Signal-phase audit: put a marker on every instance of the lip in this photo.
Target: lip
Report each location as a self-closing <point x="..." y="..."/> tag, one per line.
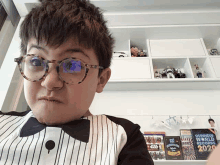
<point x="47" y="101"/>
<point x="50" y="99"/>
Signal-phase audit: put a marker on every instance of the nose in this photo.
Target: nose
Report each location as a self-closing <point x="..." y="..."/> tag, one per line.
<point x="52" y="80"/>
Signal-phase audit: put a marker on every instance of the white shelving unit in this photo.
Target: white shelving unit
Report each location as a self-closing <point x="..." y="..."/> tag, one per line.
<point x="179" y="162"/>
<point x="137" y="73"/>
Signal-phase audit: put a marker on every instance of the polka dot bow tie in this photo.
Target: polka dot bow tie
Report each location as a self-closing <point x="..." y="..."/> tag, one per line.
<point x="78" y="129"/>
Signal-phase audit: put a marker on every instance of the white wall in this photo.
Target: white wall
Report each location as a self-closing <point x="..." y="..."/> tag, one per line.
<point x="154" y="102"/>
<point x="139" y="106"/>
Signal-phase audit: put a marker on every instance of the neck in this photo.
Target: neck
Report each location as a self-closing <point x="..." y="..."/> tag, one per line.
<point x="87" y="114"/>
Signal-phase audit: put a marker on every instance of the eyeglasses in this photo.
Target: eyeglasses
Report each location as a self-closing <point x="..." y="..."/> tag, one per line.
<point x="70" y="70"/>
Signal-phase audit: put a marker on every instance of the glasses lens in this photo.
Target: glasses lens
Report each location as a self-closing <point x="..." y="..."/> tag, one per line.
<point x="72" y="71"/>
<point x="33" y="67"/>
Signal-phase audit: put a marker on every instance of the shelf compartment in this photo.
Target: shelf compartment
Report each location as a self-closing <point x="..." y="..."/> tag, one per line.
<point x="216" y="65"/>
<point x="218" y="55"/>
<point x="212" y="44"/>
<point x="130" y="68"/>
<point x="122" y="45"/>
<point x="177" y="48"/>
<point x="159" y="64"/>
<point x="204" y="64"/>
<point x="138" y="39"/>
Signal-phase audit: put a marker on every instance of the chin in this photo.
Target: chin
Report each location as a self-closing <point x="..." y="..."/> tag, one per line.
<point x="45" y="122"/>
<point x="51" y="123"/>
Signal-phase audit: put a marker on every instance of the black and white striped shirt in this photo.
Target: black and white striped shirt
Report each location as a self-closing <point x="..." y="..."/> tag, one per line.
<point x="110" y="141"/>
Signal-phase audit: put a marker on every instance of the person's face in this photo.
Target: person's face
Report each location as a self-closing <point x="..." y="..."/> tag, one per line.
<point x="212" y="124"/>
<point x="76" y="99"/>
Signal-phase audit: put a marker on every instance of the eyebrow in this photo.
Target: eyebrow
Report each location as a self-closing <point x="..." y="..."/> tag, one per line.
<point x="65" y="51"/>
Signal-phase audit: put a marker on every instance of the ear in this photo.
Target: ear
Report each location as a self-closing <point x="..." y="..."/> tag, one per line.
<point x="103" y="79"/>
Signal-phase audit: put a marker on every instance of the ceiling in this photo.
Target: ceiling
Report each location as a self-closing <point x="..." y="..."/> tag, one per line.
<point x="156" y="5"/>
<point x="128" y="6"/>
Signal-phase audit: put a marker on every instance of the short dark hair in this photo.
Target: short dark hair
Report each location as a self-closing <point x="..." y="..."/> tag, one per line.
<point x="211" y="120"/>
<point x="57" y="21"/>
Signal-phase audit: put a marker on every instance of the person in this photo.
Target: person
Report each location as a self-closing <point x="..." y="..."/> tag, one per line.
<point x="213" y="158"/>
<point x="66" y="52"/>
<point x="211" y="122"/>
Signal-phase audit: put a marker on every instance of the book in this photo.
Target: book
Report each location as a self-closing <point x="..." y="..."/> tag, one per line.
<point x="173" y="148"/>
<point x="155" y="144"/>
<point x="187" y="144"/>
<point x="204" y="141"/>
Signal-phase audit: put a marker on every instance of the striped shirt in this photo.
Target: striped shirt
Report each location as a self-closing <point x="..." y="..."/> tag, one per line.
<point x="111" y="141"/>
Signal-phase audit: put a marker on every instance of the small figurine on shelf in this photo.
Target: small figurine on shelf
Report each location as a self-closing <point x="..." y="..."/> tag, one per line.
<point x="157" y="75"/>
<point x="119" y="54"/>
<point x="169" y="72"/>
<point x="142" y="54"/>
<point x="198" y="72"/>
<point x="179" y="74"/>
<point x="136" y="52"/>
<point x="213" y="52"/>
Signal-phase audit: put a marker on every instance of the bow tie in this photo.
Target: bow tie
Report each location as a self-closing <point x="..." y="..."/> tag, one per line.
<point x="78" y="129"/>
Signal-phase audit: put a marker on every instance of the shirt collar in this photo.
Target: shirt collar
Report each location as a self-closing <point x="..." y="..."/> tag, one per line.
<point x="78" y="129"/>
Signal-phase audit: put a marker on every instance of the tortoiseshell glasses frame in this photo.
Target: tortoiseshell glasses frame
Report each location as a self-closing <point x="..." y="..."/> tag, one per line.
<point x="87" y="67"/>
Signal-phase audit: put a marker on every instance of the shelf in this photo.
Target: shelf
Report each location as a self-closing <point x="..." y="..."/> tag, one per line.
<point x="129" y="68"/>
<point x="177" y="63"/>
<point x="204" y="64"/>
<point x="176" y="47"/>
<point x="180" y="162"/>
<point x="163" y="84"/>
<point x="138" y="73"/>
<point x="181" y="31"/>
